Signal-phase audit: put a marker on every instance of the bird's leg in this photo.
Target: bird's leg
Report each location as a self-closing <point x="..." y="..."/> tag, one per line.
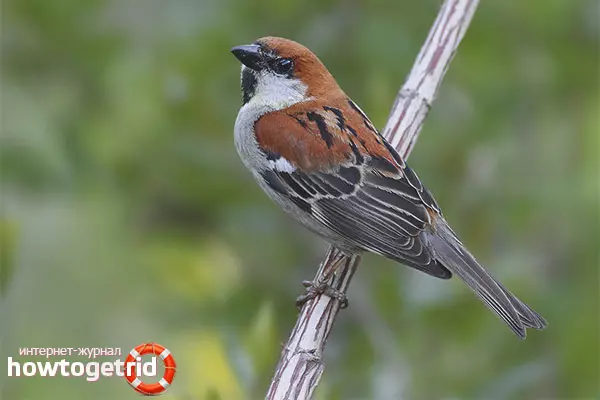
<point x="317" y="288"/>
<point x="314" y="290"/>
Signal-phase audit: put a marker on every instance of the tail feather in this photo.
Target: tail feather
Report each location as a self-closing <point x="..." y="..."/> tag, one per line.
<point x="529" y="317"/>
<point x="454" y="256"/>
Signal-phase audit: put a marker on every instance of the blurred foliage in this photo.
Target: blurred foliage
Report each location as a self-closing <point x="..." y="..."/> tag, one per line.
<point x="127" y="216"/>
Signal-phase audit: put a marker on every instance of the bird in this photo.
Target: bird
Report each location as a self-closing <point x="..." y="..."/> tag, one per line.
<point x="318" y="156"/>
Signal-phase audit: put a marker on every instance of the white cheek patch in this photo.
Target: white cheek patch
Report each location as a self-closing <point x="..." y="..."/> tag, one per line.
<point x="278" y="92"/>
<point x="282" y="165"/>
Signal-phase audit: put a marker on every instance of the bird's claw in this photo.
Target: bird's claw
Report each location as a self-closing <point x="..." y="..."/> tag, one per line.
<point x="314" y="290"/>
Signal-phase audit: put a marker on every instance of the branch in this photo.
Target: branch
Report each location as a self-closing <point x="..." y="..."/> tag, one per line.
<point x="301" y="363"/>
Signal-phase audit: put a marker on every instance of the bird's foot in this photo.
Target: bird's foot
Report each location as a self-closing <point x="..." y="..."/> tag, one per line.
<point x="316" y="289"/>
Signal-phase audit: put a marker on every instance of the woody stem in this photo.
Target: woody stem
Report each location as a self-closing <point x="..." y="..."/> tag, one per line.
<point x="301" y="364"/>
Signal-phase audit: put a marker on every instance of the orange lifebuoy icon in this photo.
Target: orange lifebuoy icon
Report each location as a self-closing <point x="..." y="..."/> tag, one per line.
<point x="150" y="389"/>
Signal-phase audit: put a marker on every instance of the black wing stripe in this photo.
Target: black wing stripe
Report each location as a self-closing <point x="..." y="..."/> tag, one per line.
<point x="413" y="223"/>
<point x="274" y="182"/>
<point x="382" y="164"/>
<point x="295" y="186"/>
<point x="338" y="183"/>
<point x="396" y="185"/>
<point x="350" y="174"/>
<point x="417" y="212"/>
<point x="366" y="203"/>
<point x="394" y="227"/>
<point x="332" y="191"/>
<point x="412" y="178"/>
<point x="306" y="183"/>
<point x="304" y="205"/>
<point x="321" y="186"/>
<point x="428" y="199"/>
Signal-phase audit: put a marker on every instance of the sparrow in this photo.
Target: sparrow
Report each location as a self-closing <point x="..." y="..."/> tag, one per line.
<point x="318" y="156"/>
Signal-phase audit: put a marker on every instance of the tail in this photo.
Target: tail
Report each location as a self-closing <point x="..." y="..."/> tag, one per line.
<point x="450" y="252"/>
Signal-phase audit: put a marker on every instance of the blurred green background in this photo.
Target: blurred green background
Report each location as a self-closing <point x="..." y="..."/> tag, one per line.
<point x="127" y="216"/>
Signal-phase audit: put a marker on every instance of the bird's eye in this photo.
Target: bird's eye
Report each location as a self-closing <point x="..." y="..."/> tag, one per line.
<point x="283" y="66"/>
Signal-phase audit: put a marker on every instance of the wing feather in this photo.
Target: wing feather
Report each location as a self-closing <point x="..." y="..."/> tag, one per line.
<point x="353" y="183"/>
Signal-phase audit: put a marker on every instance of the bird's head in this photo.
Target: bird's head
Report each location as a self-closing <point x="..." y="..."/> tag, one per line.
<point x="280" y="72"/>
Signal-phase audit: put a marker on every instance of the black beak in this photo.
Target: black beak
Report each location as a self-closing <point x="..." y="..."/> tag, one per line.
<point x="249" y="55"/>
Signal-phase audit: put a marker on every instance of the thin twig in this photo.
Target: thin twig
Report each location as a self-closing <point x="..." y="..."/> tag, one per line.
<point x="301" y="364"/>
